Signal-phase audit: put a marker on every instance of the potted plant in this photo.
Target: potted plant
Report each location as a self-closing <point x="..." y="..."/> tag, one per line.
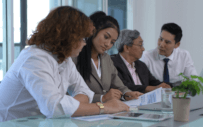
<point x="181" y="105"/>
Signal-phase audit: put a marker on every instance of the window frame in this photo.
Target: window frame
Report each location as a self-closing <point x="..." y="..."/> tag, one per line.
<point x="8" y="35"/>
<point x="8" y="31"/>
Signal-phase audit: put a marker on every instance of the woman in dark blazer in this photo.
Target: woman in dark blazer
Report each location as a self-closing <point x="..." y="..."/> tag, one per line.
<point x="96" y="67"/>
<point x="133" y="72"/>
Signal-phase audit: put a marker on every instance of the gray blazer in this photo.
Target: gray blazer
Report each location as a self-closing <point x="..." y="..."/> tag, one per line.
<point x="109" y="78"/>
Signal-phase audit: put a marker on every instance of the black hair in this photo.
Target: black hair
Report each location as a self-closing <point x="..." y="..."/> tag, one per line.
<point x="173" y="29"/>
<point x="101" y="21"/>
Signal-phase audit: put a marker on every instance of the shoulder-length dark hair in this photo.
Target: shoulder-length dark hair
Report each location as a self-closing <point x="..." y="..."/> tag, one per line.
<point x="60" y="31"/>
<point x="101" y="21"/>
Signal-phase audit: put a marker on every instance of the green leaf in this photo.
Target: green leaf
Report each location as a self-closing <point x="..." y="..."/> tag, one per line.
<point x="190" y="84"/>
<point x="194" y="76"/>
<point x="201" y="87"/>
<point x="194" y="92"/>
<point x="174" y="89"/>
<point x="201" y="79"/>
<point x="181" y="74"/>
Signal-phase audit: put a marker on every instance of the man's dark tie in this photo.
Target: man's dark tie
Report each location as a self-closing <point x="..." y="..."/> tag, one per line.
<point x="166" y="74"/>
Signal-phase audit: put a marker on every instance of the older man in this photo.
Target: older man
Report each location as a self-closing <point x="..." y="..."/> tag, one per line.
<point x="134" y="73"/>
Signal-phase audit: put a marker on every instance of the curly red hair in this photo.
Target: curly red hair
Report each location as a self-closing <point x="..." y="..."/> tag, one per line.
<point x="60" y="31"/>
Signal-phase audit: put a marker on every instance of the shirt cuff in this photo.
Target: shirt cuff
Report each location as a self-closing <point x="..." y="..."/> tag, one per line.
<point x="96" y="98"/>
<point x="101" y="98"/>
<point x="69" y="105"/>
<point x="122" y="98"/>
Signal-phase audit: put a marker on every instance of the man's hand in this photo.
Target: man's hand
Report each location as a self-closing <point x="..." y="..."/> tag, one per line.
<point x="151" y="88"/>
<point x="164" y="85"/>
<point x="132" y="95"/>
<point x="112" y="94"/>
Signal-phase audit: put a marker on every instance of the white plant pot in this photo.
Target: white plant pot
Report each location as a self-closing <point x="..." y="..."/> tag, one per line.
<point x="181" y="109"/>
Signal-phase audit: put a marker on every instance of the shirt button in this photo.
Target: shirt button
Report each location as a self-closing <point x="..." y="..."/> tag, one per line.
<point x="104" y="91"/>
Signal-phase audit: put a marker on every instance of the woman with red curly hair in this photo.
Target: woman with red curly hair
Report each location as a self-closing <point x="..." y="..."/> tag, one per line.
<point x="39" y="78"/>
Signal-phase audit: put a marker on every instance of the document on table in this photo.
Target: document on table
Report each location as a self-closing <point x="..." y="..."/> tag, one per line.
<point x="148" y="98"/>
<point x="93" y="118"/>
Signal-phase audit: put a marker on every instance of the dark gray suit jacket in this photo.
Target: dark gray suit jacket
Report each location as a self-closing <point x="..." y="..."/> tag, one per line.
<point x="143" y="72"/>
<point x="109" y="78"/>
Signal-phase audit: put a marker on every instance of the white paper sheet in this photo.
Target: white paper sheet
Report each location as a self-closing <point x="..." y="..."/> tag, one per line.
<point x="148" y="98"/>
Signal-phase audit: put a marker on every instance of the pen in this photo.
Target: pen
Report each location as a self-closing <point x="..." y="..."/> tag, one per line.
<point x="125" y="96"/>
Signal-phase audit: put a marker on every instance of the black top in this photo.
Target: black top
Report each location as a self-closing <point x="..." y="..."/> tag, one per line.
<point x="143" y="72"/>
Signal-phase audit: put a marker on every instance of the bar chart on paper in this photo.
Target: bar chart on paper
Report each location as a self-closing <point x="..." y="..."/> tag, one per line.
<point x="148" y="98"/>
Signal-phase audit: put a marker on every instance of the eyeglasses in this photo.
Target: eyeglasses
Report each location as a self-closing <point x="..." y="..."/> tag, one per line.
<point x="83" y="39"/>
<point x="141" y="46"/>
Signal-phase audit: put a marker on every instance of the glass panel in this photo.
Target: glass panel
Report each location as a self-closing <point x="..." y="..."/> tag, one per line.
<point x="1" y="39"/>
<point x="54" y="3"/>
<point x="88" y="6"/>
<point x="16" y="26"/>
<point x="35" y="15"/>
<point x="1" y="24"/>
<point x="118" y="9"/>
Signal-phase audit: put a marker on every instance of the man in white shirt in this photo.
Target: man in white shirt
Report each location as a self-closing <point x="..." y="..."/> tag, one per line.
<point x="167" y="61"/>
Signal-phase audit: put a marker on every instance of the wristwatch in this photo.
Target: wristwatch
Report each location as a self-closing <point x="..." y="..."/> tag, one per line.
<point x="101" y="107"/>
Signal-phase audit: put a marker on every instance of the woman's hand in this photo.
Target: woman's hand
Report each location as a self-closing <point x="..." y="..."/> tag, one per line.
<point x="114" y="106"/>
<point x="112" y="94"/>
<point x="132" y="95"/>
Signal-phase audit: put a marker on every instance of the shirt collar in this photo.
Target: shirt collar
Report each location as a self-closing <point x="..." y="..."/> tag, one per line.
<point x="161" y="57"/>
<point x="53" y="55"/>
<point x="126" y="62"/>
<point x="98" y="63"/>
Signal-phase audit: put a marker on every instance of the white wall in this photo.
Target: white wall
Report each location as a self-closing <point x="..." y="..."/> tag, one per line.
<point x="150" y="15"/>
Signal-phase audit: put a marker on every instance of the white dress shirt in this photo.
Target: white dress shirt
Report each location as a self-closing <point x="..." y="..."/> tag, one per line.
<point x="180" y="61"/>
<point x="132" y="70"/>
<point x="36" y="84"/>
<point x="98" y="70"/>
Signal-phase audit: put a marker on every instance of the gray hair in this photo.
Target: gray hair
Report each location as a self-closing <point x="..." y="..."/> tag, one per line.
<point x="126" y="38"/>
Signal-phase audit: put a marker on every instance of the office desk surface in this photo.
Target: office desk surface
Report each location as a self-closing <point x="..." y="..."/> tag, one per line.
<point x="196" y="120"/>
